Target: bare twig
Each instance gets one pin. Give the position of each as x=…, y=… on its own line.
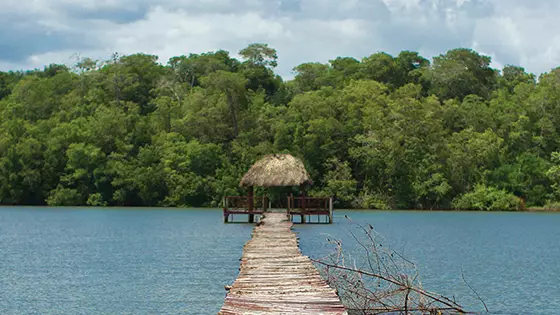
x=441, y=299
x=381, y=282
x=474, y=291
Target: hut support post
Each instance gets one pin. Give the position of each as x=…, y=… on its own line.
x=266, y=203
x=250, y=205
x=302, y=203
x=290, y=206
x=302, y=188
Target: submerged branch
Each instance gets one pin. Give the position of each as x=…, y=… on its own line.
x=441, y=299
x=384, y=283
x=474, y=291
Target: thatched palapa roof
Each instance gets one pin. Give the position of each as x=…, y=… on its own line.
x=276, y=170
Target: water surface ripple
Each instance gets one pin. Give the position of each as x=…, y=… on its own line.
x=158, y=261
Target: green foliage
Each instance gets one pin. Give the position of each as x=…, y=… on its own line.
x=487, y=199
x=260, y=55
x=461, y=72
x=552, y=206
x=338, y=182
x=64, y=197
x=554, y=174
x=96, y=200
x=372, y=200
x=382, y=132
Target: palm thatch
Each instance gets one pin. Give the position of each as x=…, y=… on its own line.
x=276, y=170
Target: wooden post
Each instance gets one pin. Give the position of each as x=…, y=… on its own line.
x=330, y=210
x=265, y=203
x=226, y=215
x=290, y=202
x=250, y=201
x=289, y=206
x=302, y=188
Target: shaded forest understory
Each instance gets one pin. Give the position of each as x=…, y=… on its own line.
x=381, y=132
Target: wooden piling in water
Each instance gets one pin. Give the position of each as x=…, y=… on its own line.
x=275, y=278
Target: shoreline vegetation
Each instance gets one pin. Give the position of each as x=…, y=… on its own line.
x=382, y=132
x=186, y=208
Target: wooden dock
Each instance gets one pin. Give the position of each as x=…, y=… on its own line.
x=275, y=278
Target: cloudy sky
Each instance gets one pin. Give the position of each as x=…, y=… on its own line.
x=38, y=32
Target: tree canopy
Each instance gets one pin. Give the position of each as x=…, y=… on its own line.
x=381, y=132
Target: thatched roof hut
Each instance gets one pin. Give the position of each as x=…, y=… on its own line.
x=276, y=170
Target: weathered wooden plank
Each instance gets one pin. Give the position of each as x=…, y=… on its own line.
x=275, y=278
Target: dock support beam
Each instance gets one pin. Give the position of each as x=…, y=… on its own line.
x=225, y=205
x=330, y=210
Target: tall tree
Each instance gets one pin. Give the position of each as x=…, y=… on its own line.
x=232, y=85
x=461, y=72
x=260, y=55
x=260, y=60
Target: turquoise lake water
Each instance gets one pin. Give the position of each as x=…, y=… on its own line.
x=157, y=261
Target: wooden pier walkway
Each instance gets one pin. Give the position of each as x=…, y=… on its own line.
x=275, y=278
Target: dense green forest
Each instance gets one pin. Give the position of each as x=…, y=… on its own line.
x=381, y=132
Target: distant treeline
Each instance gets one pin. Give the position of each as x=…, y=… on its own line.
x=381, y=132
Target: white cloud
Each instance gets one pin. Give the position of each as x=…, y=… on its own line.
x=169, y=33
x=522, y=35
x=38, y=32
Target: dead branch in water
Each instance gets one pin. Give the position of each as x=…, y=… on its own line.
x=382, y=281
x=474, y=291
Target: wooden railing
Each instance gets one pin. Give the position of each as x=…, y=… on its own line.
x=241, y=204
x=309, y=205
x=305, y=207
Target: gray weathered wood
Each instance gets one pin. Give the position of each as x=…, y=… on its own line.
x=275, y=278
